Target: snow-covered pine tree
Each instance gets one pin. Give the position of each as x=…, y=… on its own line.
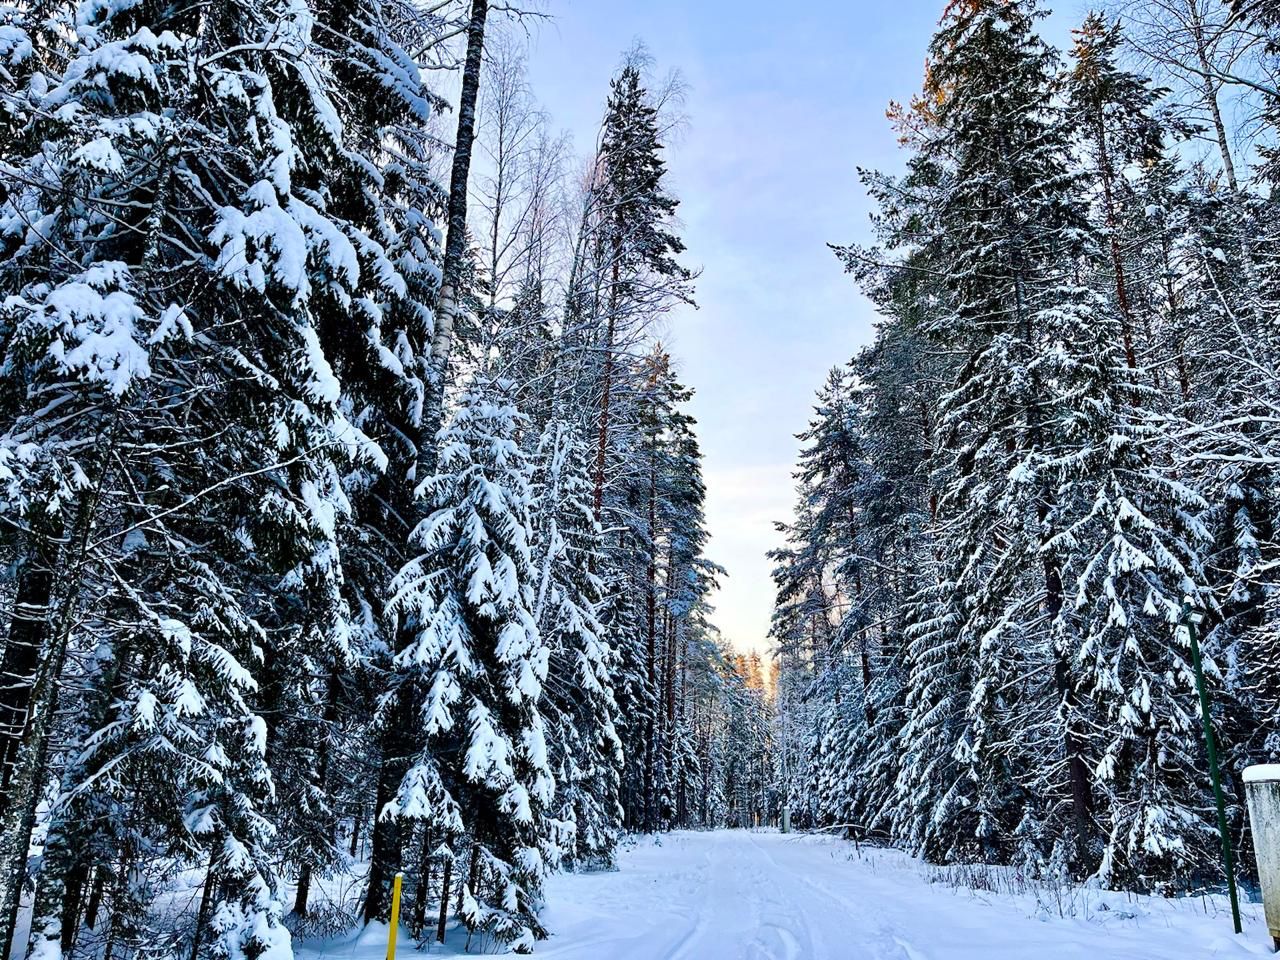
x=477, y=663
x=1113, y=111
x=634, y=238
x=658, y=503
x=687, y=574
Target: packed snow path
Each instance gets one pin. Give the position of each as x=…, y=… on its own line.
x=741, y=895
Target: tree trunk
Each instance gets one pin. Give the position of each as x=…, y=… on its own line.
x=323, y=751
x=455, y=239
x=122, y=884
x=682, y=801
x=1211, y=95
x=651, y=568
x=444, y=899
x=77, y=877
x=1117, y=260
x=67, y=865
x=28, y=630
x=18, y=815
x=206, y=901
x=669, y=688
x=386, y=853
x=472, y=874
x=355, y=831
x=303, y=892
x=868, y=711
x=95, y=897
x=1077, y=769
x=646, y=810
x=424, y=880
x=606, y=390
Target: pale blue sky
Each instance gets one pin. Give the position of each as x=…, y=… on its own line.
x=784, y=101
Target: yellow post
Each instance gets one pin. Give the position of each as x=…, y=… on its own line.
x=395, y=917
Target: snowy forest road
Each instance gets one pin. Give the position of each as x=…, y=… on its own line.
x=742, y=895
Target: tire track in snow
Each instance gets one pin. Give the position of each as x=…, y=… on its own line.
x=735, y=895
x=882, y=940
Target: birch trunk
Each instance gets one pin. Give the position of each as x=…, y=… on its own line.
x=1211, y=94
x=455, y=238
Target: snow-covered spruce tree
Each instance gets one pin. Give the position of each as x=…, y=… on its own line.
x=1229, y=294
x=864, y=514
x=477, y=663
x=1132, y=542
x=183, y=338
x=830, y=476
x=640, y=506
x=621, y=618
x=1004, y=223
x=939, y=671
x=1130, y=549
x=747, y=772
x=428, y=372
x=1014, y=496
x=899, y=377
x=890, y=558
x=382, y=183
x=632, y=576
x=1052, y=505
x=582, y=714
x=802, y=630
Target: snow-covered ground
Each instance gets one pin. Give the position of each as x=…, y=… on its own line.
x=743, y=895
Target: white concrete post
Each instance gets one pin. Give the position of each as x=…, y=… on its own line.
x=1262, y=788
